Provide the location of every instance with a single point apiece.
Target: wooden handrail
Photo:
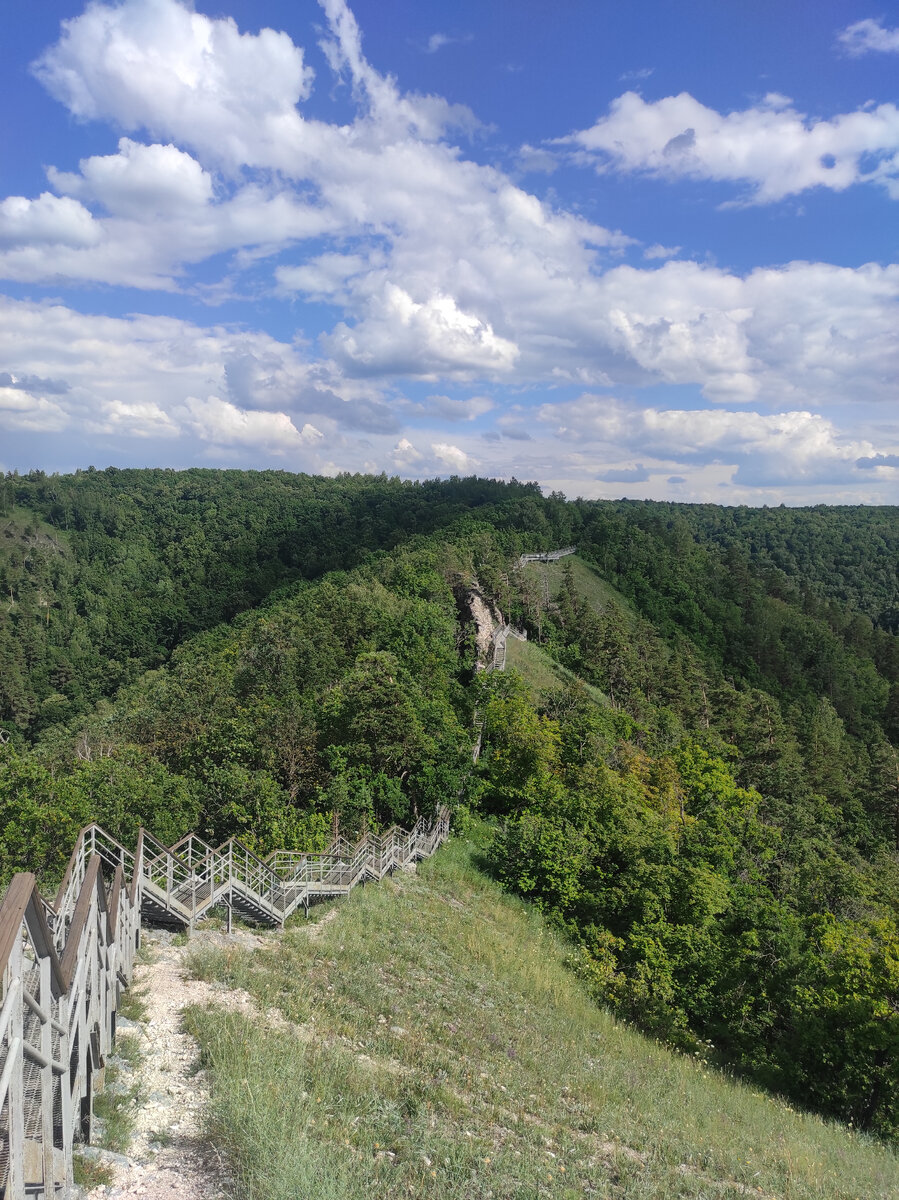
(80, 916)
(83, 967)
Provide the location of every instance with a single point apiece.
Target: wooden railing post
(84, 946)
(65, 1090)
(15, 1105)
(44, 1000)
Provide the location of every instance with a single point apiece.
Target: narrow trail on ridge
(169, 1156)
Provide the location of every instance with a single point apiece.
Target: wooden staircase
(64, 964)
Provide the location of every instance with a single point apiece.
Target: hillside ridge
(692, 769)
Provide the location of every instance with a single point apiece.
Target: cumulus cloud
(329, 277)
(402, 336)
(868, 36)
(808, 331)
(222, 391)
(47, 221)
(771, 147)
(141, 377)
(777, 448)
(404, 454)
(459, 278)
(452, 457)
(139, 181)
(434, 264)
(159, 66)
(23, 409)
(224, 424)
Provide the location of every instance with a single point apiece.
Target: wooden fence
(65, 963)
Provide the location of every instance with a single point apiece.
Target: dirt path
(168, 1158)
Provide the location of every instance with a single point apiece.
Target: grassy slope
(590, 584)
(444, 1050)
(541, 673)
(534, 665)
(15, 542)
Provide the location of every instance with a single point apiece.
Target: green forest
(690, 765)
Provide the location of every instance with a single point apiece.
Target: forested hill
(103, 573)
(691, 763)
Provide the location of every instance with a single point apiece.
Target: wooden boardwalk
(546, 556)
(64, 964)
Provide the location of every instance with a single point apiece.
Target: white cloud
(115, 383)
(404, 454)
(456, 234)
(659, 251)
(327, 276)
(787, 447)
(808, 332)
(48, 221)
(162, 222)
(452, 457)
(140, 181)
(458, 275)
(395, 114)
(402, 336)
(772, 147)
(224, 424)
(865, 37)
(143, 419)
(24, 410)
(438, 40)
(157, 65)
(141, 376)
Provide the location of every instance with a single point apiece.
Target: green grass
(442, 1049)
(16, 520)
(117, 1104)
(589, 583)
(535, 667)
(90, 1173)
(133, 1004)
(542, 674)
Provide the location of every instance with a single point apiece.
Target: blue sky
(643, 249)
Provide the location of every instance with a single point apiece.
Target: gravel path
(168, 1158)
